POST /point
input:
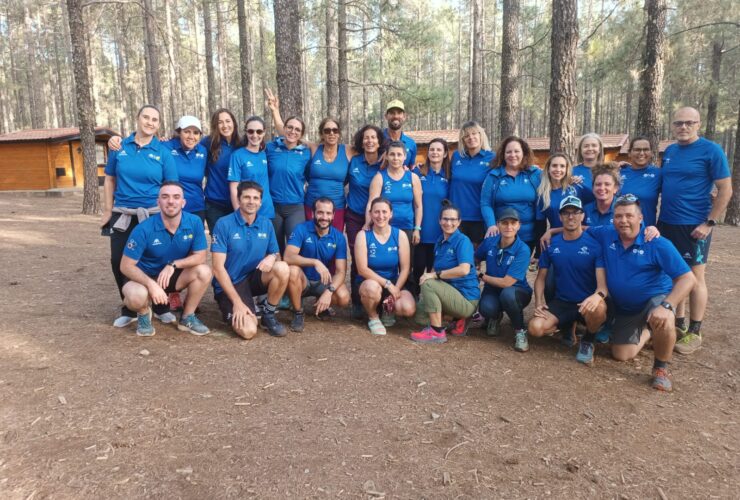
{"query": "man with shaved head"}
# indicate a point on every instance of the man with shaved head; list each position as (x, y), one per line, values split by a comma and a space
(688, 213)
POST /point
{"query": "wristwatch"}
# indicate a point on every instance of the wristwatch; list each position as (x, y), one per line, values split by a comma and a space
(668, 306)
(331, 288)
(438, 274)
(387, 283)
(417, 228)
(711, 222)
(601, 294)
(172, 263)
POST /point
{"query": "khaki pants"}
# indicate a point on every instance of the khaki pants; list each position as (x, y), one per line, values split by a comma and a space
(440, 296)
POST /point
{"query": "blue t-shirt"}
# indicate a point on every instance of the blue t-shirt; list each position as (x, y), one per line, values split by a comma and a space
(456, 250)
(191, 168)
(645, 183)
(245, 245)
(575, 262)
(401, 195)
(586, 173)
(246, 165)
(643, 270)
(592, 216)
(407, 141)
(500, 190)
(466, 182)
(152, 246)
(510, 261)
(434, 187)
(217, 185)
(327, 248)
(139, 172)
(287, 169)
(689, 173)
(552, 213)
(360, 176)
(327, 178)
(383, 258)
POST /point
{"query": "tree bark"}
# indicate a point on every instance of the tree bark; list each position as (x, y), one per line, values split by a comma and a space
(34, 82)
(174, 86)
(509, 114)
(288, 56)
(651, 79)
(563, 99)
(733, 209)
(245, 58)
(85, 110)
(475, 111)
(154, 89)
(223, 63)
(210, 73)
(332, 59)
(342, 74)
(711, 123)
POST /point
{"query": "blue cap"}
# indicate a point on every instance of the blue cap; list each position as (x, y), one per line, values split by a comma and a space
(507, 213)
(571, 201)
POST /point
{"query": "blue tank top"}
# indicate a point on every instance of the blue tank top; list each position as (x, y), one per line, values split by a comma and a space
(401, 195)
(434, 187)
(327, 179)
(382, 258)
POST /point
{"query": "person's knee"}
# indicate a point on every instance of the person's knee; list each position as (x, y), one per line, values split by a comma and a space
(203, 273)
(405, 307)
(341, 296)
(135, 295)
(488, 307)
(295, 274)
(536, 327)
(248, 331)
(281, 270)
(508, 297)
(624, 352)
(370, 289)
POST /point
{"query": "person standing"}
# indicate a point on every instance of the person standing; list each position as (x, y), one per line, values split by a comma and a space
(190, 159)
(642, 178)
(395, 115)
(223, 140)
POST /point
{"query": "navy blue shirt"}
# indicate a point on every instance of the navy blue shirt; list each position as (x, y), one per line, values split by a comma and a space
(645, 183)
(382, 258)
(592, 216)
(401, 195)
(360, 177)
(139, 172)
(500, 190)
(435, 188)
(456, 250)
(217, 185)
(501, 262)
(327, 248)
(287, 169)
(153, 247)
(407, 141)
(586, 173)
(327, 178)
(575, 263)
(689, 173)
(248, 166)
(191, 168)
(466, 182)
(639, 272)
(245, 245)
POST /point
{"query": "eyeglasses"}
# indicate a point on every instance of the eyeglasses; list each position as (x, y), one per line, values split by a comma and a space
(687, 123)
(627, 198)
(329, 130)
(449, 219)
(291, 128)
(571, 213)
(251, 131)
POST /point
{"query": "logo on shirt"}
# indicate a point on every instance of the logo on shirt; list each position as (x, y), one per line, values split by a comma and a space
(556, 250)
(156, 242)
(387, 187)
(331, 245)
(583, 251)
(483, 163)
(175, 153)
(393, 249)
(200, 155)
(123, 153)
(355, 170)
(236, 236)
(612, 246)
(458, 162)
(406, 185)
(249, 163)
(154, 157)
(131, 244)
(308, 240)
(666, 161)
(648, 175)
(262, 236)
(510, 260)
(451, 251)
(317, 161)
(526, 181)
(187, 237)
(503, 182)
(687, 255)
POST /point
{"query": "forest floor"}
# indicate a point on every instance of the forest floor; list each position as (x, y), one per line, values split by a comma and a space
(91, 411)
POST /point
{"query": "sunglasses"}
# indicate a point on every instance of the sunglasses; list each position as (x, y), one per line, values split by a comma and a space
(251, 131)
(687, 123)
(330, 130)
(626, 198)
(571, 213)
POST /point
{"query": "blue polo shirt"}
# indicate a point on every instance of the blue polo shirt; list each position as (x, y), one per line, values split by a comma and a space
(327, 178)
(689, 173)
(139, 172)
(360, 177)
(500, 190)
(435, 188)
(466, 182)
(575, 262)
(383, 258)
(248, 166)
(592, 216)
(401, 195)
(191, 168)
(586, 173)
(152, 246)
(456, 250)
(643, 270)
(407, 141)
(500, 262)
(245, 245)
(327, 248)
(287, 169)
(217, 185)
(645, 183)
(552, 213)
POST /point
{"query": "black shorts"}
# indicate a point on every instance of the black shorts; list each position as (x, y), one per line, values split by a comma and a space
(627, 329)
(694, 252)
(475, 230)
(247, 289)
(314, 288)
(171, 286)
(566, 312)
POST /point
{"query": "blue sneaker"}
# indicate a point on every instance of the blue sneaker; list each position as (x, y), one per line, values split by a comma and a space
(192, 324)
(284, 303)
(603, 335)
(270, 323)
(298, 322)
(521, 344)
(585, 353)
(145, 327)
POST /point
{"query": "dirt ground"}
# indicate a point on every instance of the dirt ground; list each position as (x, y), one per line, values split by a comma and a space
(334, 411)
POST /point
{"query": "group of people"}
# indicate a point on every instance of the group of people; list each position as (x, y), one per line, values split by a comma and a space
(286, 215)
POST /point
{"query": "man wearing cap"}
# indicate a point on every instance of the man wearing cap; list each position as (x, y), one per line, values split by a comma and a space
(580, 280)
(190, 159)
(166, 253)
(395, 115)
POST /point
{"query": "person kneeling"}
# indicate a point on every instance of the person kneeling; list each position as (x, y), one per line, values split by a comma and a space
(312, 249)
(166, 253)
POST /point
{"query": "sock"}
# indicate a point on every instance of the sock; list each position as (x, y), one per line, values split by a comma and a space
(694, 327)
(589, 337)
(269, 308)
(438, 329)
(659, 364)
(299, 313)
(681, 323)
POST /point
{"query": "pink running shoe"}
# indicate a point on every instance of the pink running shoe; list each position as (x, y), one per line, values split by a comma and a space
(429, 336)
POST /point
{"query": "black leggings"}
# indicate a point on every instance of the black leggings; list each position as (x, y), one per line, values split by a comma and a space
(423, 260)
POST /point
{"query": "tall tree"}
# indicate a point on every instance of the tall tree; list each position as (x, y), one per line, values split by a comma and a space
(223, 61)
(651, 79)
(475, 109)
(332, 59)
(245, 58)
(210, 72)
(174, 83)
(563, 99)
(342, 74)
(733, 209)
(85, 109)
(509, 114)
(34, 82)
(288, 55)
(154, 84)
(711, 122)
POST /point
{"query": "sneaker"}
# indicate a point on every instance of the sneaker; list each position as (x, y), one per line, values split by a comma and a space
(476, 321)
(661, 380)
(376, 327)
(429, 336)
(166, 318)
(270, 323)
(145, 327)
(259, 307)
(603, 335)
(688, 344)
(175, 301)
(358, 312)
(521, 343)
(192, 324)
(458, 328)
(388, 318)
(585, 353)
(123, 321)
(284, 303)
(298, 322)
(681, 332)
(492, 330)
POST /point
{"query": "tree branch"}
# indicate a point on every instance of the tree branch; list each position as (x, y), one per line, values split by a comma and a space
(585, 40)
(718, 23)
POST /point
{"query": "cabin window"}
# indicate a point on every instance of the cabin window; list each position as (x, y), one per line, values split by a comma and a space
(61, 171)
(100, 153)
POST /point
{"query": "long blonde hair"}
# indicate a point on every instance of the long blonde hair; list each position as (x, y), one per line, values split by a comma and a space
(472, 125)
(545, 188)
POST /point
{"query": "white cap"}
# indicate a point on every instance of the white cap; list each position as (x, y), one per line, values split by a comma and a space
(189, 121)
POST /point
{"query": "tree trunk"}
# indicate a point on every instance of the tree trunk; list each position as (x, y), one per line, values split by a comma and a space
(509, 114)
(563, 99)
(476, 111)
(342, 73)
(174, 86)
(458, 60)
(154, 89)
(332, 59)
(288, 56)
(59, 42)
(651, 79)
(210, 72)
(263, 64)
(85, 110)
(365, 56)
(223, 63)
(34, 82)
(245, 59)
(733, 209)
(711, 123)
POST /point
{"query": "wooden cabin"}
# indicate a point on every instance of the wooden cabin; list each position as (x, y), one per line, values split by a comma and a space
(43, 159)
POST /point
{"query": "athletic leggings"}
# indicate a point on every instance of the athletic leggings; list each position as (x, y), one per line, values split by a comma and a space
(287, 217)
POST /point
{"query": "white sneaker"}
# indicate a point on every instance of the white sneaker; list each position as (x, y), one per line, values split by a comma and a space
(123, 321)
(167, 317)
